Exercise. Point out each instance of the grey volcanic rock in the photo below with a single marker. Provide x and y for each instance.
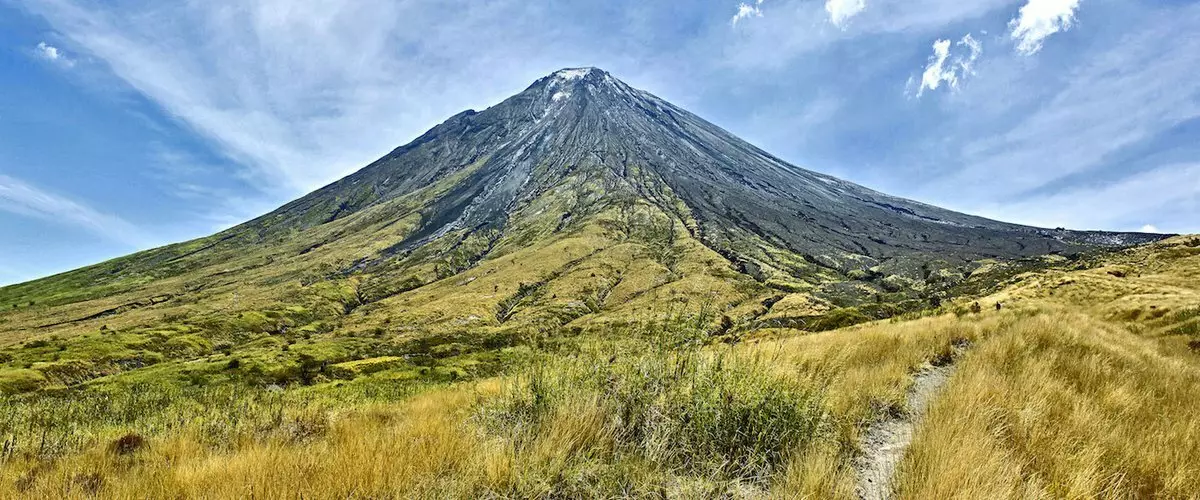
(739, 200)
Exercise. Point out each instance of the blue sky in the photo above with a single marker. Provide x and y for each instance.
(129, 124)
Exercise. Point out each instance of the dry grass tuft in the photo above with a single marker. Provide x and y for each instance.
(1062, 405)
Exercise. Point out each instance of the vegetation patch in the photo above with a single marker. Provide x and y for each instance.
(712, 416)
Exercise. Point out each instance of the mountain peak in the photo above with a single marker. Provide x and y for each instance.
(587, 78)
(570, 74)
(574, 88)
(580, 141)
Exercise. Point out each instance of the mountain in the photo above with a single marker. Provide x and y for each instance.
(581, 127)
(578, 202)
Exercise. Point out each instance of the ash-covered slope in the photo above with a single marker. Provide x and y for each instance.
(736, 198)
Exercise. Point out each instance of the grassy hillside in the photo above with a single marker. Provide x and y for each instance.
(262, 304)
(1082, 384)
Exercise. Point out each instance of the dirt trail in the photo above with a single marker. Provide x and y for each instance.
(885, 442)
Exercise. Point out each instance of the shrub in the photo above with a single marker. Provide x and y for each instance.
(187, 346)
(67, 372)
(705, 415)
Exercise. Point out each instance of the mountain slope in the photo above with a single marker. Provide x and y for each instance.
(584, 122)
(580, 202)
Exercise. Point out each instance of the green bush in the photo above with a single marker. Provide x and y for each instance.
(710, 416)
(67, 372)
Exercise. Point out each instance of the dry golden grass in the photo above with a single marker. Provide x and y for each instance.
(402, 451)
(1049, 404)
(1061, 405)
(865, 373)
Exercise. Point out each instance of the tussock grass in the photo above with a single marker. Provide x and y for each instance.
(719, 417)
(408, 451)
(1062, 405)
(50, 426)
(864, 373)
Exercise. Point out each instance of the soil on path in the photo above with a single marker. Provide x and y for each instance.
(885, 441)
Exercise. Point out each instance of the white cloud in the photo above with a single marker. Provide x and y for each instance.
(24, 199)
(53, 54)
(1038, 19)
(944, 69)
(840, 11)
(1150, 228)
(746, 10)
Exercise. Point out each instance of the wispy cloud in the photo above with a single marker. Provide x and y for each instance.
(1038, 19)
(1124, 204)
(299, 94)
(746, 10)
(1128, 93)
(840, 11)
(27, 200)
(53, 54)
(303, 93)
(218, 205)
(944, 69)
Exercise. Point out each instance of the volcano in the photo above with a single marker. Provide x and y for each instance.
(579, 201)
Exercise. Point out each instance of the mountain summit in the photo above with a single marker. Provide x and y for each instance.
(580, 199)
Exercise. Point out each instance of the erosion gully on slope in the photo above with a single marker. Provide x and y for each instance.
(885, 442)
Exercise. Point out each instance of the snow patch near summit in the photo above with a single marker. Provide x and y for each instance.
(572, 74)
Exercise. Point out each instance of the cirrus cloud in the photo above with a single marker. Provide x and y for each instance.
(24, 199)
